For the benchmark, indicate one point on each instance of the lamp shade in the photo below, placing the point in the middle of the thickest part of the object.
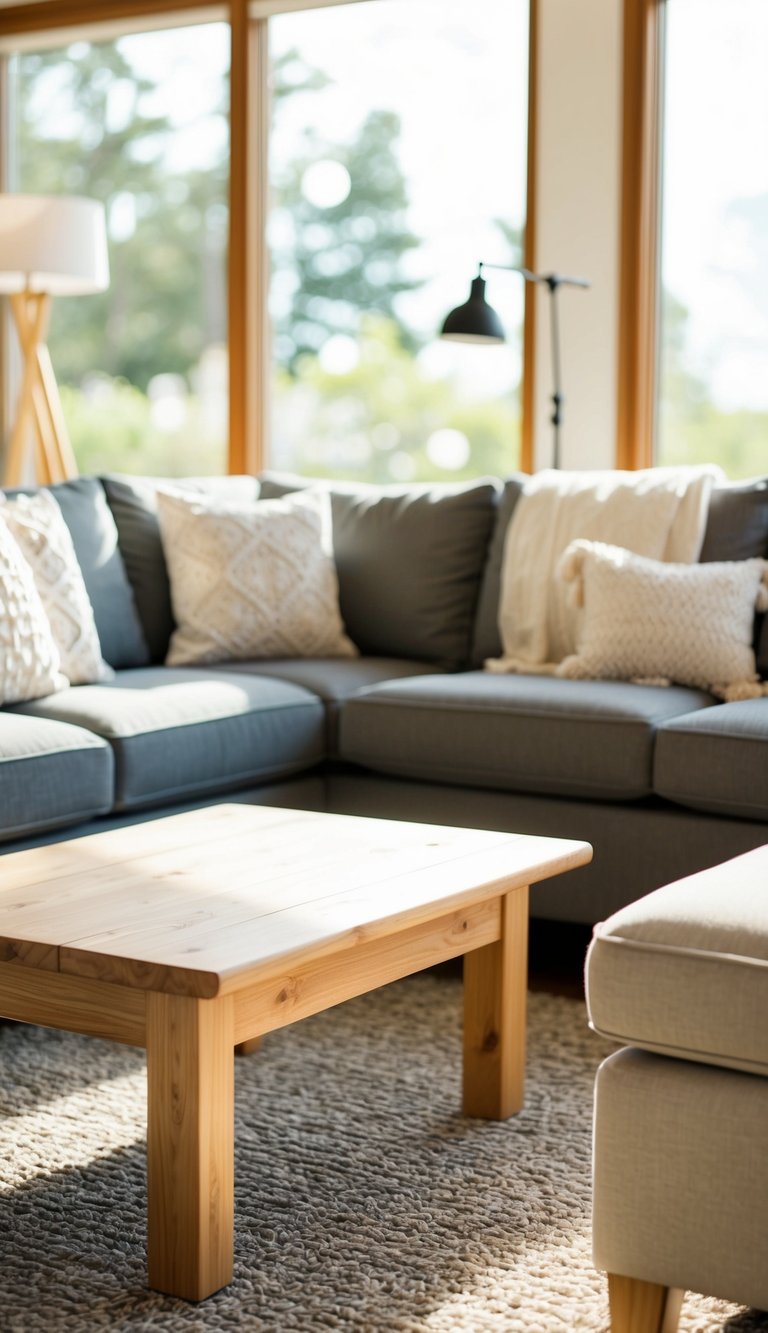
(476, 320)
(52, 243)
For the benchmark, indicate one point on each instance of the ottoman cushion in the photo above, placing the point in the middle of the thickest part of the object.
(684, 971)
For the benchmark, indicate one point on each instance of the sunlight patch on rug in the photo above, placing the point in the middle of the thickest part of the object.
(51, 1137)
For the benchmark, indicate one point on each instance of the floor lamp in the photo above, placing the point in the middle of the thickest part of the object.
(477, 321)
(49, 246)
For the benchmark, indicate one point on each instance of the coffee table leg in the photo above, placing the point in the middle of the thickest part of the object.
(190, 1144)
(495, 993)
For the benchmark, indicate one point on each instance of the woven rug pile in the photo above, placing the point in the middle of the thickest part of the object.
(363, 1200)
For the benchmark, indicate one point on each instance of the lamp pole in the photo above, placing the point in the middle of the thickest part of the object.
(553, 282)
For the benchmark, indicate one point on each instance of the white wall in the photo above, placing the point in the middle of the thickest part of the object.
(577, 222)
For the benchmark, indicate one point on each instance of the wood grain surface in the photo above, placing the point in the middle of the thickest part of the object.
(643, 1307)
(207, 902)
(190, 1145)
(495, 997)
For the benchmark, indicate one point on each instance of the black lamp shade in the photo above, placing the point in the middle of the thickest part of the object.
(476, 321)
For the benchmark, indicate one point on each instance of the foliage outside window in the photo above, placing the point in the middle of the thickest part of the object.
(713, 401)
(397, 161)
(139, 123)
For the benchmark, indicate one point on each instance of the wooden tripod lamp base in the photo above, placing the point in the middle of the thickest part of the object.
(39, 414)
(50, 245)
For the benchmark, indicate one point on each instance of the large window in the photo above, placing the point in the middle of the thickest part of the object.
(713, 386)
(393, 161)
(397, 161)
(139, 123)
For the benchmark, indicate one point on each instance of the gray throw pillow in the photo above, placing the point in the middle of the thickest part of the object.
(133, 502)
(409, 561)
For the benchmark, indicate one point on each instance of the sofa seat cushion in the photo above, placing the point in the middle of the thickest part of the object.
(51, 774)
(178, 732)
(518, 733)
(717, 761)
(334, 679)
(684, 971)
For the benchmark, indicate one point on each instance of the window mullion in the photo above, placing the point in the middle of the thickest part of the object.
(640, 233)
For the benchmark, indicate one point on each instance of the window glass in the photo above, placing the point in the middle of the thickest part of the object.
(713, 403)
(139, 123)
(397, 162)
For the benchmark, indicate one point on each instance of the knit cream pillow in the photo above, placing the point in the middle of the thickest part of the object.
(251, 579)
(29, 658)
(648, 620)
(38, 526)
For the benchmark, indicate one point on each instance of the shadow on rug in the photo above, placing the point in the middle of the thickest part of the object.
(363, 1200)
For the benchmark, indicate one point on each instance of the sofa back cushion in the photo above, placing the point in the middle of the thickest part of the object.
(133, 503)
(486, 639)
(737, 529)
(409, 560)
(95, 539)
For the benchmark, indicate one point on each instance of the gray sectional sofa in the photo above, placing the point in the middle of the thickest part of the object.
(662, 781)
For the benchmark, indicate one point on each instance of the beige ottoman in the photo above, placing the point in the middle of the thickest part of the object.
(681, 1116)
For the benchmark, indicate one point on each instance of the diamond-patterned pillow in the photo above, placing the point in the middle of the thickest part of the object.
(38, 526)
(251, 579)
(29, 658)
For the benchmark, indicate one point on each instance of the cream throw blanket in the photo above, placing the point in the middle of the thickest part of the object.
(659, 512)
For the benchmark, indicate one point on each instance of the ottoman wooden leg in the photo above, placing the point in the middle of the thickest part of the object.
(190, 1144)
(495, 995)
(642, 1307)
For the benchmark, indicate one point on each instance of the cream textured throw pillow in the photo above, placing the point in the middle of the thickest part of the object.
(38, 526)
(254, 579)
(29, 658)
(650, 620)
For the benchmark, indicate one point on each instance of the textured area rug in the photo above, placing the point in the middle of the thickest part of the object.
(364, 1201)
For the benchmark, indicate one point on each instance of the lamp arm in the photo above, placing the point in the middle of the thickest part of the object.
(550, 280)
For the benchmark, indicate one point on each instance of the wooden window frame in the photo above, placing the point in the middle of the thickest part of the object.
(527, 387)
(23, 26)
(54, 16)
(639, 279)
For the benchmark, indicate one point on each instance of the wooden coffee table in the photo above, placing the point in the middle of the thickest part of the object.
(193, 933)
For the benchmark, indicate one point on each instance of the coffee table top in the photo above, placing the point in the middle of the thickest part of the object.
(195, 903)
